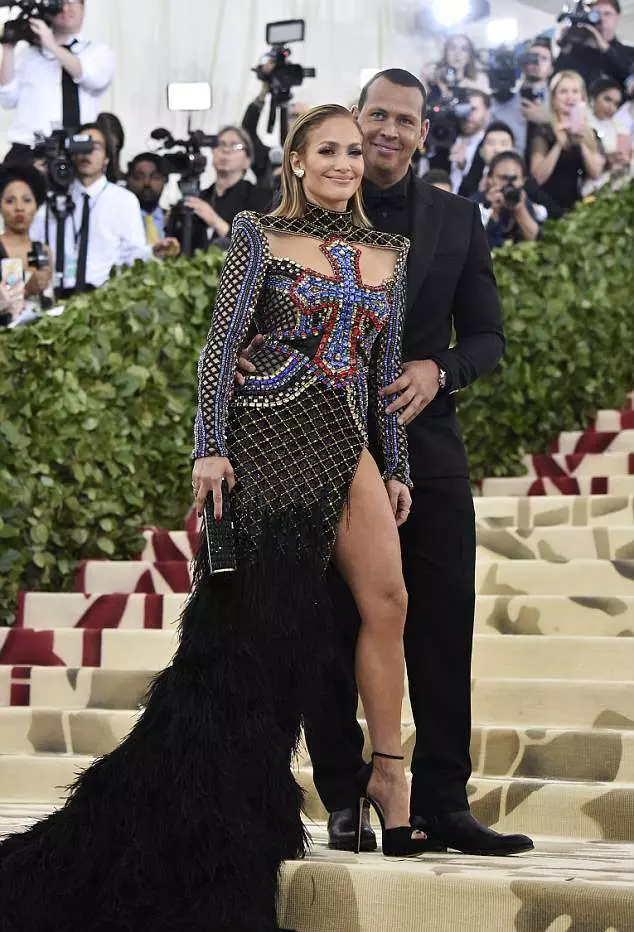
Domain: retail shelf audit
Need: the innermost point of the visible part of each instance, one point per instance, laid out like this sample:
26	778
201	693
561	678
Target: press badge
70	270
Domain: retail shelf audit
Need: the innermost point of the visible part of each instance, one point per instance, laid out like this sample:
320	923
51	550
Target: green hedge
569	317
97	406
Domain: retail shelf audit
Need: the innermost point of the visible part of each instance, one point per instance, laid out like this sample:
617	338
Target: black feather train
184	826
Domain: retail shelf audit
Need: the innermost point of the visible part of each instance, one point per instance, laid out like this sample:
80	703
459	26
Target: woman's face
333	162
230	154
18	207
567	95
458	52
607	103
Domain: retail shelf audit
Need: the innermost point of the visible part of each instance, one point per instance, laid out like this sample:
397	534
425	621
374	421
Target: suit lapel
426	219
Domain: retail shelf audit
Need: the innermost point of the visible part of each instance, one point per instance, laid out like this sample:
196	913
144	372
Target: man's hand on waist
245	366
416	388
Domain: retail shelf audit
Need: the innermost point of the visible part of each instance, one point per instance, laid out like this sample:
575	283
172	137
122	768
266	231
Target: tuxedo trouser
438	550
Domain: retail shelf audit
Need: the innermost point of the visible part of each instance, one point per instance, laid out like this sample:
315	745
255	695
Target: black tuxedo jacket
449	282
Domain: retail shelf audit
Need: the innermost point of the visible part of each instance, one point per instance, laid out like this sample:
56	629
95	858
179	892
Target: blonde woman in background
458	67
566	152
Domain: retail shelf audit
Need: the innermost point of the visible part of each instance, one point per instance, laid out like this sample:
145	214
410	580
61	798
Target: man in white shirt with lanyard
60	82
103	230
472	129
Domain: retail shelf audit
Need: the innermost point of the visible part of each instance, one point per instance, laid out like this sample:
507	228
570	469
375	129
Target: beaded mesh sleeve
237	295
385	368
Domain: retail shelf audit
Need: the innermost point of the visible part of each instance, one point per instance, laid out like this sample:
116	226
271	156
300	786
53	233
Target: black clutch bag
221	545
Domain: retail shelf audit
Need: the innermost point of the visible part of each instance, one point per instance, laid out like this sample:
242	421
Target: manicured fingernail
218	520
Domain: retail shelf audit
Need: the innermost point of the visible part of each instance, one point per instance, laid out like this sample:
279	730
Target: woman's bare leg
368	556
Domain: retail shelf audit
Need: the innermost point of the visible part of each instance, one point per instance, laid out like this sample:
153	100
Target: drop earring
298	172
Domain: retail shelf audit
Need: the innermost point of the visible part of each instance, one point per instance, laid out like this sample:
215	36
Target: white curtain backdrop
158	41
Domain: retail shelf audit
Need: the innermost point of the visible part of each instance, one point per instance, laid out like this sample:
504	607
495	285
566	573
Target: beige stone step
548	511
555	544
566	808
521	614
498	701
579	465
553	753
521	656
578	485
587	578
621	441
503	577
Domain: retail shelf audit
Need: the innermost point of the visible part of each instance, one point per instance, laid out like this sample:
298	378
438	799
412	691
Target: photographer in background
528	107
458	67
593	51
105	229
261	164
507	212
465	148
231	192
60	81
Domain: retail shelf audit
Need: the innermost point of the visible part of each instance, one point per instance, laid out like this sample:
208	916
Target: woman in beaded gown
185	825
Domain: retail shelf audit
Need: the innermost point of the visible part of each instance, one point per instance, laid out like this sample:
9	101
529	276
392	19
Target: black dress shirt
390	209
240	196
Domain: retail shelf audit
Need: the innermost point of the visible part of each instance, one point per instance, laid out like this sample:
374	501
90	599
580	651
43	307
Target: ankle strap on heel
388	756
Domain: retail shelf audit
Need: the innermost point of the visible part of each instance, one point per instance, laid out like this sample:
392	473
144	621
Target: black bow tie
386	198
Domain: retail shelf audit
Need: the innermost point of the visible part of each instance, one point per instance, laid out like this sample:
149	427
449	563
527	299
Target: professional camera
512	195
37	257
19	29
284	75
57	151
445	118
189	162
575	18
503	69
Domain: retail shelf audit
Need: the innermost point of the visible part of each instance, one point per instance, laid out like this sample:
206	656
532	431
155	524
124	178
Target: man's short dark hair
437	176
401	78
484	97
510	156
604	84
542	42
616	6
156	160
498	126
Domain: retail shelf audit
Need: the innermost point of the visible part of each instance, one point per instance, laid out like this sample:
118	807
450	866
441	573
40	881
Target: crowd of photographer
524	138
529	148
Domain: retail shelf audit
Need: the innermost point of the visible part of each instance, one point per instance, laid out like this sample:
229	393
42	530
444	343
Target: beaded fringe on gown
184	826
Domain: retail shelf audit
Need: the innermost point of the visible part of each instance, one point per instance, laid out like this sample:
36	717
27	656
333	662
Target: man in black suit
450	281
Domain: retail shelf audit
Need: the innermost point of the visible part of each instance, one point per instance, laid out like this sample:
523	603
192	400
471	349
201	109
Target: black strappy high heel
396	842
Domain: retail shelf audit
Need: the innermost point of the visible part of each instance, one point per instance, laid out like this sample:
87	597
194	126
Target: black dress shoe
460	830
342	830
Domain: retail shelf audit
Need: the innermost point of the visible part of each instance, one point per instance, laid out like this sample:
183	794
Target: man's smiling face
393	129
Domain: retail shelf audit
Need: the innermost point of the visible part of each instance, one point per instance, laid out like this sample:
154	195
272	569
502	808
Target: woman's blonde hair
293	200
589	135
471	68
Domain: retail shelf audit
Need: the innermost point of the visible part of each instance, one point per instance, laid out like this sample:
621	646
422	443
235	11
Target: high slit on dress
184	826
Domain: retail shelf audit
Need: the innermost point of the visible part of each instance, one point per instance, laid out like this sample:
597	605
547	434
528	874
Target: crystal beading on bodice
327	329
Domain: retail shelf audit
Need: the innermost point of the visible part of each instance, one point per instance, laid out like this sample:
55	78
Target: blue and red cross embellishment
346	301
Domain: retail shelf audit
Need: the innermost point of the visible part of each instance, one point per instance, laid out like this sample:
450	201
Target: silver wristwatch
442	378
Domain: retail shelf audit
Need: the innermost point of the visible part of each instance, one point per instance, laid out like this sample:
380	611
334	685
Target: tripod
61	205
